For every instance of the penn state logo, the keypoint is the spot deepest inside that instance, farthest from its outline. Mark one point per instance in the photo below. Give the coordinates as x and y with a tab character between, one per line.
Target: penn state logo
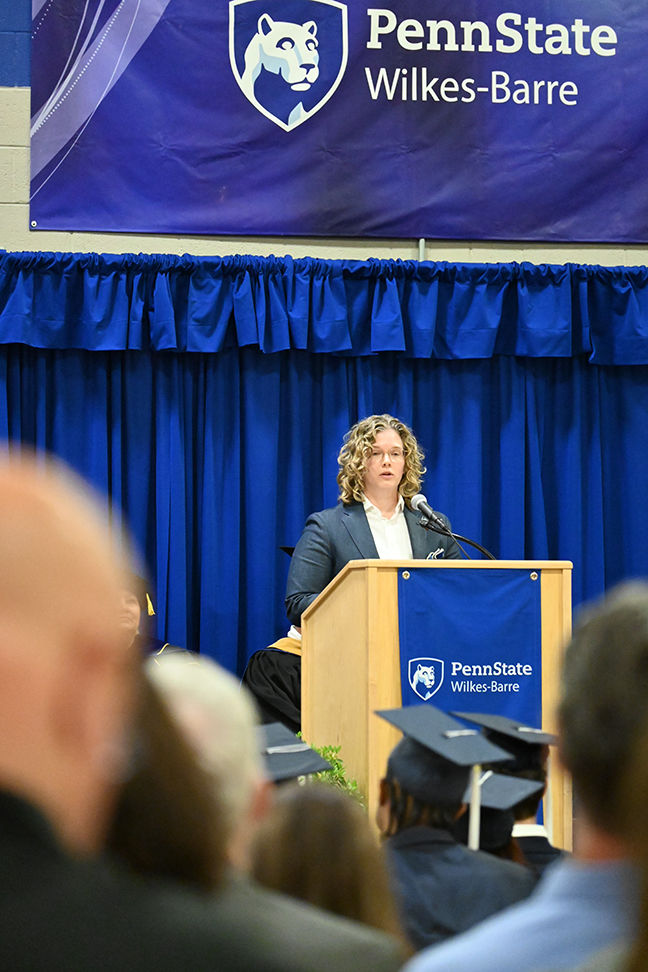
425	676
288	56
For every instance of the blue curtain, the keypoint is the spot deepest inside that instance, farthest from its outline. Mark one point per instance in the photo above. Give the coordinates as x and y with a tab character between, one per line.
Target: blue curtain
208	398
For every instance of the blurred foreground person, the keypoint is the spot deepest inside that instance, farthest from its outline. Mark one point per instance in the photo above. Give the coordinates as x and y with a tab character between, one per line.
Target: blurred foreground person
625	955
218	718
589	901
634	827
316	844
219	721
168	822
68	692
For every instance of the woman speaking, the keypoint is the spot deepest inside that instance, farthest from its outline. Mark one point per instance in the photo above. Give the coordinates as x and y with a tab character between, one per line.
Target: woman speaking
380	471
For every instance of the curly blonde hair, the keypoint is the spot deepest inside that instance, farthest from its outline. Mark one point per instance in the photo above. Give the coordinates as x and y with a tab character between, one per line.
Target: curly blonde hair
358	443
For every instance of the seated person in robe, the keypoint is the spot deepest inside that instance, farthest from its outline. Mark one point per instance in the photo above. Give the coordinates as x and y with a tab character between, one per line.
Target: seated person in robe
135	611
443	887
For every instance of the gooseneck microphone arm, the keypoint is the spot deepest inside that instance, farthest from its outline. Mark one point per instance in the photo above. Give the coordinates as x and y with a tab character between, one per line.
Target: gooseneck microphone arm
432	521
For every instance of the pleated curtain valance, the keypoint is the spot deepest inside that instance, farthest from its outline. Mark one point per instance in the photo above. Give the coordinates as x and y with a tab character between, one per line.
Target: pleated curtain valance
340	307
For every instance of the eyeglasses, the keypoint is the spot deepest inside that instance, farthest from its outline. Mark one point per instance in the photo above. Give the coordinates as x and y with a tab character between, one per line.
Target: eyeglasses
393	454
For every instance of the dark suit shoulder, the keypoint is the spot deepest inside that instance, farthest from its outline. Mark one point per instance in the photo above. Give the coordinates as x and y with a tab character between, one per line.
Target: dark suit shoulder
77	915
332	514
301	936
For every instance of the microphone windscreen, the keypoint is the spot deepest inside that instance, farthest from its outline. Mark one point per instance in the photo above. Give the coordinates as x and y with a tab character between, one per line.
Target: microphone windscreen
417	502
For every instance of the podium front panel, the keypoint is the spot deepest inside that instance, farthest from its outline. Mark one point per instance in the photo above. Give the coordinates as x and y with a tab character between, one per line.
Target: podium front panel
471	640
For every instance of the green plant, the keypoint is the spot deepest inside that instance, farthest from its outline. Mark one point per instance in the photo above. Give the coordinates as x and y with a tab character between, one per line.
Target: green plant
337	776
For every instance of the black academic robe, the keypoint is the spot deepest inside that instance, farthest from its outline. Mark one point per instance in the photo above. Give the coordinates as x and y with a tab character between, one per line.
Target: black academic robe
443	888
273	676
539	852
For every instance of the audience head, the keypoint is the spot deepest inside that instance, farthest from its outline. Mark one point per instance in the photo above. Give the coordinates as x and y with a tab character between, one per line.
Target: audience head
495	834
420	788
67	686
356	453
528	809
316	844
167	821
219	719
429	770
135	606
500	795
604	700
529	754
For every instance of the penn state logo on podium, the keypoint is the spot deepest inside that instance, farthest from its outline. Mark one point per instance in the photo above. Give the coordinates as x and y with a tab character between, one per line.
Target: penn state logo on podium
288	56
425	676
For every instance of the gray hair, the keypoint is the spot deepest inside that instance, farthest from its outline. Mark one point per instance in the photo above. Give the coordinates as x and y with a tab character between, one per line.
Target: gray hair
219	718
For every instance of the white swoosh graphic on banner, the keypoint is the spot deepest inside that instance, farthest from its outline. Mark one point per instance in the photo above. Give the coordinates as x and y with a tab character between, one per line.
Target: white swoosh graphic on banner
89	76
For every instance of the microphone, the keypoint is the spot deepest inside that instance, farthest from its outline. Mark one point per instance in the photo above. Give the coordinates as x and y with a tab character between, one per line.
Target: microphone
420	504
430	519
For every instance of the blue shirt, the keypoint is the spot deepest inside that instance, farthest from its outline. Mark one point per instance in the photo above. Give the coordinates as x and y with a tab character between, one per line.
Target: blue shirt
577	909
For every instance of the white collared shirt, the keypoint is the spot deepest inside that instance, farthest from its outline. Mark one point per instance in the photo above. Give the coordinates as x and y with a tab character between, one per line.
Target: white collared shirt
529	830
391	536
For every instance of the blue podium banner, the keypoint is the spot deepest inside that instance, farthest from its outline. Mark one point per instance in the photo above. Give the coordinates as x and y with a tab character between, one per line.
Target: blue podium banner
417	118
470	640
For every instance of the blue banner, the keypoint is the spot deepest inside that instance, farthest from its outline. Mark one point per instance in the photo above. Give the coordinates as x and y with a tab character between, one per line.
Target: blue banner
470	640
432	118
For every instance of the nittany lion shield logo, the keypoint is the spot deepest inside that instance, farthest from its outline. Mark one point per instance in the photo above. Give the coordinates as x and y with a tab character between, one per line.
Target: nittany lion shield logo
425	676
288	56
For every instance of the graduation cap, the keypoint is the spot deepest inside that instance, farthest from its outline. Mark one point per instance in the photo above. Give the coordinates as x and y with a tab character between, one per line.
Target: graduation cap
433	762
498	795
286	756
524	743
501	792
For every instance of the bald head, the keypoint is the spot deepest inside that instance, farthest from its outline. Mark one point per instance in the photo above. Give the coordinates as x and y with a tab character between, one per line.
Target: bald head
53	542
65	679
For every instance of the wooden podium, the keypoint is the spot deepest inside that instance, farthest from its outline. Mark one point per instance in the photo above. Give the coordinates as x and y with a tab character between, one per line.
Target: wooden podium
351	667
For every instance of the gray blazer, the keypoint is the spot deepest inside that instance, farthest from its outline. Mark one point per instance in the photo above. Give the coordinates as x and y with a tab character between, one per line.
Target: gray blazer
334	537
